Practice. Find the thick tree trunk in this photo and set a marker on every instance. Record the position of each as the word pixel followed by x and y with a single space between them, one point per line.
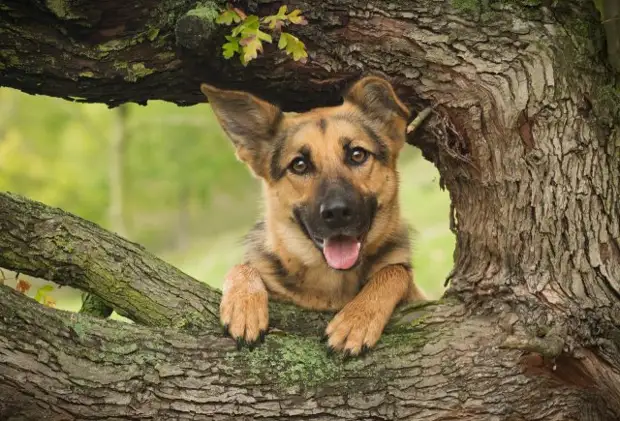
pixel 524 133
pixel 59 366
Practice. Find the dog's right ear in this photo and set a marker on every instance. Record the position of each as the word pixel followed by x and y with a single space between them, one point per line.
pixel 250 122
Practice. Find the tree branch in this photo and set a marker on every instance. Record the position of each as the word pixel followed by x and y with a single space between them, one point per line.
pixel 113 52
pixel 102 369
pixel 51 244
pixel 54 245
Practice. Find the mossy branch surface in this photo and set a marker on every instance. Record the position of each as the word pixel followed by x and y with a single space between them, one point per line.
pixel 99 355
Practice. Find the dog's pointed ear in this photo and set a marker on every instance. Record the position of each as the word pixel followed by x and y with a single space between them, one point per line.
pixel 250 122
pixel 376 99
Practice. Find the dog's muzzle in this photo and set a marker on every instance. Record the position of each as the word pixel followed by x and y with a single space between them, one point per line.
pixel 338 222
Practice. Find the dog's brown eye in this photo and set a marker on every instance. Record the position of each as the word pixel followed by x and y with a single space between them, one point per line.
pixel 358 156
pixel 299 166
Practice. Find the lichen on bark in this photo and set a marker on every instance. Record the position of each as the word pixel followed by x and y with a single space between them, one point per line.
pixel 196 29
pixel 289 362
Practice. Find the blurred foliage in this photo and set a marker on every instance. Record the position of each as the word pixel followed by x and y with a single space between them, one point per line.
pixel 44 143
pixel 180 169
pixel 185 196
pixel 175 158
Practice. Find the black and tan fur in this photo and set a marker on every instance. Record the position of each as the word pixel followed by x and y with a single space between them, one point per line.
pixel 349 153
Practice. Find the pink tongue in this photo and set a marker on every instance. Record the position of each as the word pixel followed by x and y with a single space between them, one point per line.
pixel 341 252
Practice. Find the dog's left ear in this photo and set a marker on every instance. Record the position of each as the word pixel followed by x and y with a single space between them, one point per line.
pixel 250 122
pixel 376 99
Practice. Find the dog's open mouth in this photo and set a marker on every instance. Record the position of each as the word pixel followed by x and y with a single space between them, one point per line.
pixel 341 252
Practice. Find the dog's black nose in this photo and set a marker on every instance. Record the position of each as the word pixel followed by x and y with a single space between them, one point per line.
pixel 336 213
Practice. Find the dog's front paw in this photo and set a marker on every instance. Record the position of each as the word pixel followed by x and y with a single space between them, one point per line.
pixel 356 328
pixel 244 309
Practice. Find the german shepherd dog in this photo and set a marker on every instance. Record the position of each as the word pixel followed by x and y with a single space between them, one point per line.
pixel 332 237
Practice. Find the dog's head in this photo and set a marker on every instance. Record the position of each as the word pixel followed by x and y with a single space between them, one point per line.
pixel 330 173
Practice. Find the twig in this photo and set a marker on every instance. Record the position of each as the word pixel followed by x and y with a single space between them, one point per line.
pixel 422 115
pixel 550 346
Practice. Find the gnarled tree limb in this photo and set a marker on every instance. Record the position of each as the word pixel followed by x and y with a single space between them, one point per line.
pixel 52 244
pixel 102 369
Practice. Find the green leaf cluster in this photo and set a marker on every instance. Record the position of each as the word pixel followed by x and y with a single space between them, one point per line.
pixel 246 38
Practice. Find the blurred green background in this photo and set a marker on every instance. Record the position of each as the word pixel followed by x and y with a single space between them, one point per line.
pixel 166 177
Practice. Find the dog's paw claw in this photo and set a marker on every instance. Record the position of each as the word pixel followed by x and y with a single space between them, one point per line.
pixel 244 311
pixel 355 329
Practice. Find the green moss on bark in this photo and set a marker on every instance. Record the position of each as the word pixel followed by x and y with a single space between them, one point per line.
pixel 486 6
pixel 206 11
pixel 292 361
pixel 95 306
pixel 196 28
pixel 62 9
pixel 581 47
pixel 466 5
pixel 133 71
pixel 297 364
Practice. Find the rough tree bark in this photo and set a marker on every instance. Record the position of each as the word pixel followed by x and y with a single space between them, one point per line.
pixel 524 133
